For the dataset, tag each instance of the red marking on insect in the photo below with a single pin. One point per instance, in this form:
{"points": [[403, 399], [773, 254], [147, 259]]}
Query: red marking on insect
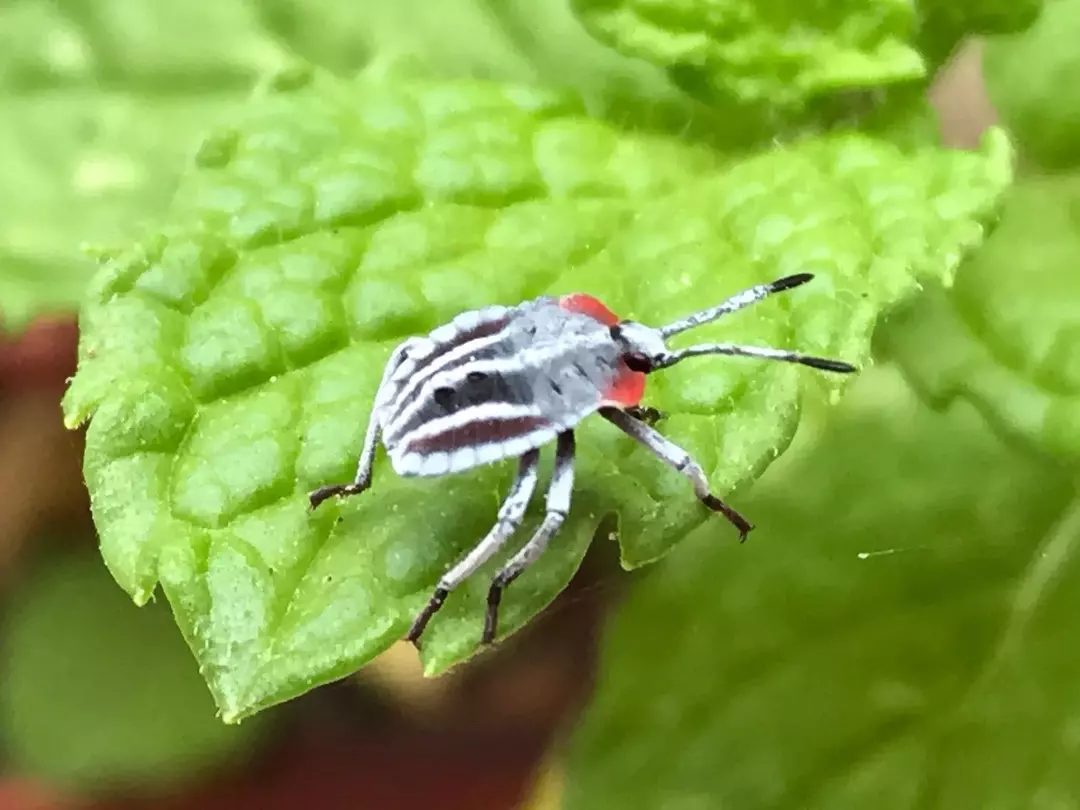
{"points": [[627, 390], [587, 305]]}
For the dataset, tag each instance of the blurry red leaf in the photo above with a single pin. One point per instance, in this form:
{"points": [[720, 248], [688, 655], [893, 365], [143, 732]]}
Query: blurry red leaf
{"points": [[42, 356]]}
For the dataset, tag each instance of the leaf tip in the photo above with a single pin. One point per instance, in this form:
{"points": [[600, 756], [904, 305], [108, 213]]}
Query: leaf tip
{"points": [[432, 667], [1001, 155], [76, 414], [230, 717], [73, 421]]}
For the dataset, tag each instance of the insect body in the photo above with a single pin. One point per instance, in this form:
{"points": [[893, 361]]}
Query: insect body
{"points": [[502, 382]]}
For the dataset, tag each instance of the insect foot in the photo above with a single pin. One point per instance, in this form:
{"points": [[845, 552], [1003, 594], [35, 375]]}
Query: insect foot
{"points": [[420, 622], [741, 524], [679, 460], [648, 415], [558, 504], [328, 492]]}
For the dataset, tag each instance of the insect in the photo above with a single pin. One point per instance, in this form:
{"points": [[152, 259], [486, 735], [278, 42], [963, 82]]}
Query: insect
{"points": [[502, 382]]}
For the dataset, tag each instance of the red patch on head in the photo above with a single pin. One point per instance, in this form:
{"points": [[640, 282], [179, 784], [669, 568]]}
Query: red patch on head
{"points": [[587, 305], [627, 390]]}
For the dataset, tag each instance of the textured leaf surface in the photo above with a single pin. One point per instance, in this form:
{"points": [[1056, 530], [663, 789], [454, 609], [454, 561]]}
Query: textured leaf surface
{"points": [[102, 101], [229, 364], [98, 695], [81, 168], [785, 53], [1033, 79], [898, 635], [1006, 338]]}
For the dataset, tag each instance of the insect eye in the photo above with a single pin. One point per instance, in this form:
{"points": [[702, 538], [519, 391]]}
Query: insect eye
{"points": [[637, 362]]}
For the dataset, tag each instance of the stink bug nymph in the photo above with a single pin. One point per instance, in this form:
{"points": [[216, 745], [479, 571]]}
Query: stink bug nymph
{"points": [[504, 381]]}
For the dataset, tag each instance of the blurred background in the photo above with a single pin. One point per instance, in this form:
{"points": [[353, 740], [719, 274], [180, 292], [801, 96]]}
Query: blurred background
{"points": [[101, 705]]}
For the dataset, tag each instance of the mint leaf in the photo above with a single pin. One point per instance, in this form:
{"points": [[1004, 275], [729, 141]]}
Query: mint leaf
{"points": [[96, 695], [895, 636], [1033, 79], [1006, 337], [780, 54], [82, 168], [86, 164], [508, 40], [229, 364]]}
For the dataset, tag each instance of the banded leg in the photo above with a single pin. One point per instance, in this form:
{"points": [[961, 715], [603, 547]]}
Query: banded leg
{"points": [[510, 516], [371, 440], [679, 460], [557, 507]]}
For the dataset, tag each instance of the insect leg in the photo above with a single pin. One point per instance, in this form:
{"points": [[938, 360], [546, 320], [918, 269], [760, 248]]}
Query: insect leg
{"points": [[650, 416], [371, 440], [679, 460], [510, 517], [763, 352], [558, 505]]}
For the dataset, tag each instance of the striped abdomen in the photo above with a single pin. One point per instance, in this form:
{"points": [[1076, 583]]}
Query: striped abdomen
{"points": [[495, 383]]}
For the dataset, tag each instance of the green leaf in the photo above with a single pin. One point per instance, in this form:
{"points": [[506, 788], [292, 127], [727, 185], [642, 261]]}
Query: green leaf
{"points": [[451, 37], [506, 40], [99, 112], [96, 695], [898, 634], [1033, 80], [82, 168], [160, 47], [40, 47], [1006, 338], [229, 364], [782, 54], [944, 24], [102, 100]]}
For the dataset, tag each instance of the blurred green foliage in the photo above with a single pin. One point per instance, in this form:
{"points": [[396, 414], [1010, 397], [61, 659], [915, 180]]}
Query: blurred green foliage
{"points": [[780, 54], [1006, 337], [897, 635], [904, 642], [229, 357], [1033, 78], [95, 695]]}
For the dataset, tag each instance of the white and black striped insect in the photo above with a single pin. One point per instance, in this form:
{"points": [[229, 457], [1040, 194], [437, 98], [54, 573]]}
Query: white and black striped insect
{"points": [[504, 381]]}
